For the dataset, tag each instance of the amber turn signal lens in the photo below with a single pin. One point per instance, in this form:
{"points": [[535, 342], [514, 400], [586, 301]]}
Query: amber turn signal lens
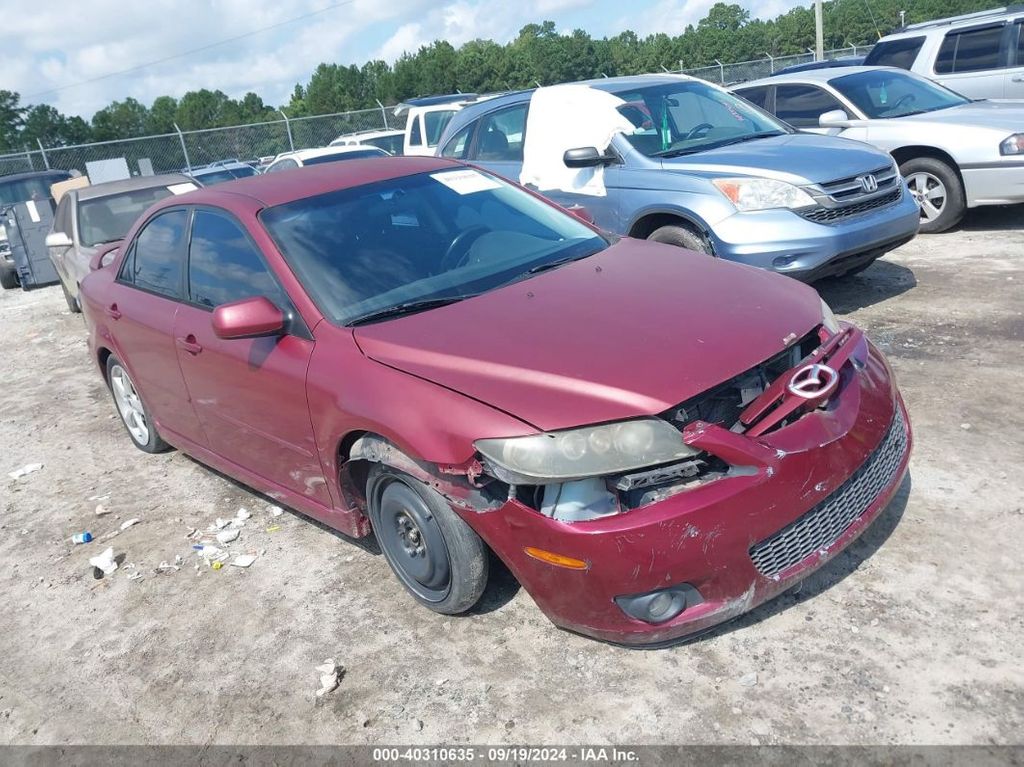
{"points": [[558, 560]]}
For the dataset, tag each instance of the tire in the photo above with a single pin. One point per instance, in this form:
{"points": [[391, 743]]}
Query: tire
{"points": [[435, 554], [133, 411], [8, 278], [938, 191], [72, 303], [681, 237]]}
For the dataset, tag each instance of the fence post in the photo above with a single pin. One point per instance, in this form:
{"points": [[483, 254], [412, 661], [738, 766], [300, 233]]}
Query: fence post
{"points": [[771, 60], [721, 72], [42, 151], [28, 156], [288, 127], [383, 114], [184, 151]]}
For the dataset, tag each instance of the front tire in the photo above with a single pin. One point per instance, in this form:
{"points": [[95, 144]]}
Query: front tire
{"points": [[439, 559], [134, 414], [938, 191], [682, 237]]}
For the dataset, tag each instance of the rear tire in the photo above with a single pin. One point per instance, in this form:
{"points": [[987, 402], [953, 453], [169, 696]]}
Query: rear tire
{"points": [[134, 414], [9, 278], [439, 559], [72, 303], [682, 237], [938, 191]]}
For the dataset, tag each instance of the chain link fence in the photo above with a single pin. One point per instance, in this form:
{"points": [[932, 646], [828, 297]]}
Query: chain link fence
{"points": [[189, 149]]}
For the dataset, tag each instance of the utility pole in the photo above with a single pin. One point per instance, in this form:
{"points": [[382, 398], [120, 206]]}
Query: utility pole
{"points": [[819, 34]]}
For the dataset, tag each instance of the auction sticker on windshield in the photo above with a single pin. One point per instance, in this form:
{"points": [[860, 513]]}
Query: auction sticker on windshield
{"points": [[188, 186], [466, 181]]}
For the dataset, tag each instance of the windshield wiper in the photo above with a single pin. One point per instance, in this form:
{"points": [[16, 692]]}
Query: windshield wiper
{"points": [[409, 307], [716, 145]]}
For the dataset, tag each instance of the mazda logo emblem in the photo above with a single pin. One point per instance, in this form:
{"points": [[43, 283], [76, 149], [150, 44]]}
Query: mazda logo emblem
{"points": [[813, 382], [868, 183]]}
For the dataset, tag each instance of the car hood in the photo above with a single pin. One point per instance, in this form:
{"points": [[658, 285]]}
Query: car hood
{"points": [[631, 331], [1005, 116], [798, 158]]}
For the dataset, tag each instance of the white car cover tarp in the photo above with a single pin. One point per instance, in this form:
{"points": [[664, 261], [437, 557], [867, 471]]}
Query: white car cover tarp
{"points": [[565, 117]]}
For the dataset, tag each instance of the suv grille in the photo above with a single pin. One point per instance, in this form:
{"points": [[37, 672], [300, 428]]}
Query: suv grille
{"points": [[830, 215], [846, 190], [820, 527]]}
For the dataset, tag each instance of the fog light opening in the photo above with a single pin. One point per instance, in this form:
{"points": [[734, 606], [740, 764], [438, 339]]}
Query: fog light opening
{"points": [[660, 605], [781, 262]]}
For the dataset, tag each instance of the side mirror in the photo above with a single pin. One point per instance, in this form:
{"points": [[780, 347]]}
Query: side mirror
{"points": [[835, 118], [104, 256], [584, 157], [581, 213], [249, 318], [58, 240]]}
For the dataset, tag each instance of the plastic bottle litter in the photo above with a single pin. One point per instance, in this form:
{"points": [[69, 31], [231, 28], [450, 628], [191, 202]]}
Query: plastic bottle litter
{"points": [[28, 468], [82, 537], [105, 561]]}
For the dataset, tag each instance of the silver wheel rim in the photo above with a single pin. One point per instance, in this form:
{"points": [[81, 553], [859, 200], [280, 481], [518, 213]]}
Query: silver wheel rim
{"points": [[129, 405], [929, 194]]}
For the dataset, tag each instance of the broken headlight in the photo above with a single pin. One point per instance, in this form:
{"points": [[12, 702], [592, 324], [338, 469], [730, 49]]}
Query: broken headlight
{"points": [[828, 318], [762, 193], [592, 451]]}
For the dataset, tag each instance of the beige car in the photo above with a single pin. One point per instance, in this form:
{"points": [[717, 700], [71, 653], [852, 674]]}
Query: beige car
{"points": [[88, 217]]}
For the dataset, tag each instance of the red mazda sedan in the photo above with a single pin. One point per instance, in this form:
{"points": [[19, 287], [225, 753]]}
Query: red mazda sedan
{"points": [[652, 440]]}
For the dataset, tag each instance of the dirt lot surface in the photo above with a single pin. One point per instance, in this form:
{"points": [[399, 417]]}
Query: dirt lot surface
{"points": [[912, 635]]}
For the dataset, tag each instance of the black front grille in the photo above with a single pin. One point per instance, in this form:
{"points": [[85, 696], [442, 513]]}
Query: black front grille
{"points": [[822, 526], [831, 215]]}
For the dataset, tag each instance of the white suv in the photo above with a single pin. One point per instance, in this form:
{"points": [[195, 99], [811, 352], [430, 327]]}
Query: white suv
{"points": [[980, 55]]}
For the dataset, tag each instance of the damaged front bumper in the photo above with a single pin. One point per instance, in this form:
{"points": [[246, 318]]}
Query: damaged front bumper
{"points": [[809, 489]]}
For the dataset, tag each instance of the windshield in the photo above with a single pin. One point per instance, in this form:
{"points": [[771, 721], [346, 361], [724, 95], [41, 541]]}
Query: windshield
{"points": [[225, 174], [356, 155], [21, 190], [885, 93], [106, 219], [686, 117], [431, 236]]}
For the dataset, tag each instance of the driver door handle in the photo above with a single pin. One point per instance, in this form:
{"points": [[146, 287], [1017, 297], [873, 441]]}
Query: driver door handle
{"points": [[189, 344], [113, 312]]}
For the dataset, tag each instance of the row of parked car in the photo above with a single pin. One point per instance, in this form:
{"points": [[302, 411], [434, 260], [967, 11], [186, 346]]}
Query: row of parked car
{"points": [[653, 440]]}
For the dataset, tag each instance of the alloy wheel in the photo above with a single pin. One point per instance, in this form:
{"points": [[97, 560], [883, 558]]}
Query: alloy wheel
{"points": [[929, 193], [129, 404]]}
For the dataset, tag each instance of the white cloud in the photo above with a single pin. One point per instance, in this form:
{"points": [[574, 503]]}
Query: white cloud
{"points": [[673, 16]]}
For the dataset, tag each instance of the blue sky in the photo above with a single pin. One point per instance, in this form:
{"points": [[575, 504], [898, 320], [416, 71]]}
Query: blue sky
{"points": [[61, 43]]}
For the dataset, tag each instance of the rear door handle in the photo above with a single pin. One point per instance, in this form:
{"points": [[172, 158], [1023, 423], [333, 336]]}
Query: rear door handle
{"points": [[113, 312], [189, 344], [1017, 79]]}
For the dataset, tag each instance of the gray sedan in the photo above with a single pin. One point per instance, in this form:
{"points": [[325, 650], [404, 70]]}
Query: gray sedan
{"points": [[954, 153]]}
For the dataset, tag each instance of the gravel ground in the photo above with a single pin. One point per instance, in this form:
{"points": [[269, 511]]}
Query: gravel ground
{"points": [[911, 636]]}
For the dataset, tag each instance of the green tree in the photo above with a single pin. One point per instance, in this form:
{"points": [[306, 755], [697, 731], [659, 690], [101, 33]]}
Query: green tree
{"points": [[122, 119], [11, 116], [162, 114]]}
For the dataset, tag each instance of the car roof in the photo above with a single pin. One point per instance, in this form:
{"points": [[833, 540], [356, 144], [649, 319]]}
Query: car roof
{"points": [[310, 181], [305, 154], [135, 183], [34, 174], [813, 76]]}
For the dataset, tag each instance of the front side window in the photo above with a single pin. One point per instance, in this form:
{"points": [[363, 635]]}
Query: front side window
{"points": [[224, 265], [501, 135], [971, 51], [802, 105], [444, 236], [62, 219], [880, 93], [690, 116], [390, 144], [757, 96], [458, 146], [895, 53], [106, 219], [158, 253]]}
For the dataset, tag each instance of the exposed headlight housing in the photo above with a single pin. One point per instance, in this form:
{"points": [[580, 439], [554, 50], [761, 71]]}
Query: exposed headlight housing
{"points": [[592, 451], [762, 193], [1013, 144], [828, 318]]}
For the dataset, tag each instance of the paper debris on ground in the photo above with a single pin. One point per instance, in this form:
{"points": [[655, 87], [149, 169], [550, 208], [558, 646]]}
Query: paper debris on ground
{"points": [[226, 536], [275, 511], [220, 524], [328, 672], [243, 560], [243, 514], [104, 561], [101, 510], [134, 576], [28, 468], [129, 522]]}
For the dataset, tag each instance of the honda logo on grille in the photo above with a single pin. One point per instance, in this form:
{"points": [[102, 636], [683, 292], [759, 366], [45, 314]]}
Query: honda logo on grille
{"points": [[868, 183], [815, 381]]}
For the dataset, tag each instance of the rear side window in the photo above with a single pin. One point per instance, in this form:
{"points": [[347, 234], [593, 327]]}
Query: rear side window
{"points": [[458, 146], [895, 53], [973, 50], [501, 135], [435, 123], [756, 96], [802, 105], [286, 164], [1020, 43], [158, 254], [415, 136], [225, 266]]}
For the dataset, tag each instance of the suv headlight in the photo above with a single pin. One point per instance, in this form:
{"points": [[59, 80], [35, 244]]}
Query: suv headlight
{"points": [[591, 451], [828, 318], [762, 193], [1013, 144]]}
